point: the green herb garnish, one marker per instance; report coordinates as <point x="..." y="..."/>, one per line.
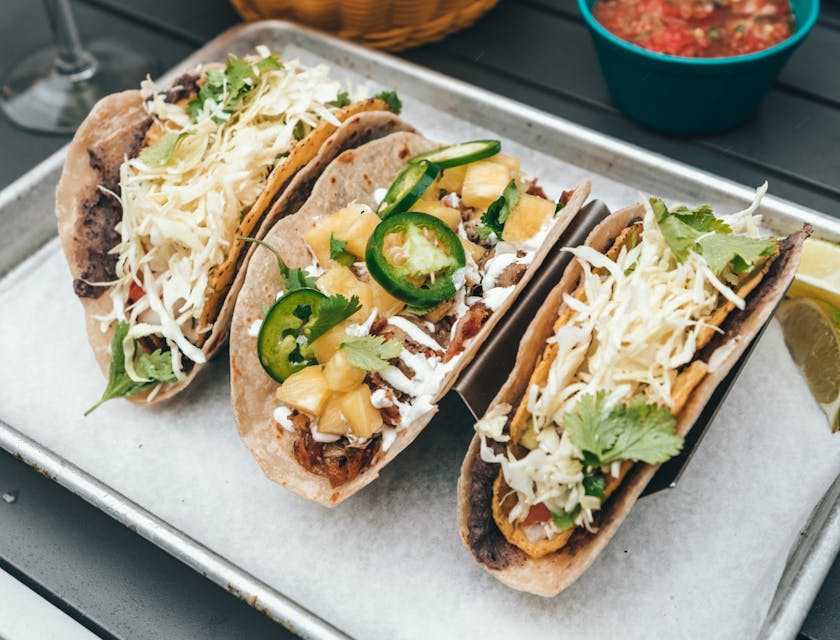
<point x="391" y="99"/>
<point x="338" y="253"/>
<point x="160" y="153"/>
<point x="499" y="210"/>
<point x="370" y="353"/>
<point x="227" y="88"/>
<point x="156" y="367"/>
<point x="341" y="100"/>
<point x="292" y="278"/>
<point x="333" y="310"/>
<point x="634" y="430"/>
<point x="699" y="230"/>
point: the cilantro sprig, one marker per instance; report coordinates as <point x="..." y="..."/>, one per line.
<point x="227" y="88"/>
<point x="292" y="278"/>
<point x="341" y="100"/>
<point x="370" y="353"/>
<point x="338" y="253"/>
<point x="699" y="230"/>
<point x="497" y="213"/>
<point x="391" y="99"/>
<point x="160" y="152"/>
<point x="634" y="430"/>
<point x="333" y="311"/>
<point x="156" y="367"/>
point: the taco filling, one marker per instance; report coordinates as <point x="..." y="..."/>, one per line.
<point x="217" y="150"/>
<point x="363" y="339"/>
<point x="619" y="368"/>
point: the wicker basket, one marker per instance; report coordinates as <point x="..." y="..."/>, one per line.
<point x="384" y="24"/>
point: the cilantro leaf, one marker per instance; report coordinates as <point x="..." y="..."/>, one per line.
<point x="160" y="153"/>
<point x="595" y="486"/>
<point x="227" y="88"/>
<point x="333" y="310"/>
<point x="499" y="210"/>
<point x="633" y="431"/>
<point x="156" y="366"/>
<point x="338" y="253"/>
<point x="300" y="130"/>
<point x="719" y="250"/>
<point x="370" y="353"/>
<point x="269" y="63"/>
<point x="558" y="206"/>
<point x="292" y="278"/>
<point x="341" y="100"/>
<point x="391" y="99"/>
<point x="565" y="520"/>
<point x="484" y="232"/>
<point x="698" y="230"/>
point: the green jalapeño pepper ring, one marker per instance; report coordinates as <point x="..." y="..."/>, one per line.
<point x="283" y="345"/>
<point x="413" y="256"/>
<point x="407" y="187"/>
<point x="458" y="154"/>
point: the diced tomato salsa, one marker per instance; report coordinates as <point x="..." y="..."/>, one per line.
<point x="698" y="28"/>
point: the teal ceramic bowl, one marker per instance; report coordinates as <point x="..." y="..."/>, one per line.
<point x="692" y="96"/>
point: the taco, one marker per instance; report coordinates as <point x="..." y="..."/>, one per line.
<point x="157" y="188"/>
<point x="362" y="308"/>
<point x="613" y="371"/>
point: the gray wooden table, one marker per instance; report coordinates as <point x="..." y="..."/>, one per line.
<point x="535" y="51"/>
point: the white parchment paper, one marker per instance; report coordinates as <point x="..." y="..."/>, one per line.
<point x="698" y="561"/>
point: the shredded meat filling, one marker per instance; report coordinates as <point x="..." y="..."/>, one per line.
<point x="337" y="461"/>
<point x="468" y="327"/>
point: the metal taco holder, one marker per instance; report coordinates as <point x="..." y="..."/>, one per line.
<point x="23" y="202"/>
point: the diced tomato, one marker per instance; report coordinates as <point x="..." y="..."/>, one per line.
<point x="135" y="292"/>
<point x="537" y="513"/>
<point x="673" y="40"/>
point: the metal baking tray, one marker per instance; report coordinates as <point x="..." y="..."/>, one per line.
<point x="809" y="559"/>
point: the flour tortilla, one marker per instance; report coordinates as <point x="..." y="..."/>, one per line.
<point x="549" y="575"/>
<point x="115" y="130"/>
<point x="352" y="177"/>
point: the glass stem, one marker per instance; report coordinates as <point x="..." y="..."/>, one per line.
<point x="71" y="57"/>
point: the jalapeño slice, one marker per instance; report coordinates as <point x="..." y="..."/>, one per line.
<point x="407" y="187"/>
<point x="458" y="154"/>
<point x="282" y="345"/>
<point x="413" y="256"/>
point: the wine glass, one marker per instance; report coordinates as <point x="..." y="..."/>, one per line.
<point x="52" y="90"/>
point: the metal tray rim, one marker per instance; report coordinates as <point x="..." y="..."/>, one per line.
<point x="805" y="570"/>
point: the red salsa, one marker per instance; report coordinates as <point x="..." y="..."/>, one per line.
<point x="698" y="28"/>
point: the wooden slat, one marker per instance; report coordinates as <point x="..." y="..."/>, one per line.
<point x="790" y="137"/>
<point x="807" y="73"/>
<point x="611" y="122"/>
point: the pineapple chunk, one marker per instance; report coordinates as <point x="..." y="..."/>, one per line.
<point x="386" y="304"/>
<point x="452" y="179"/>
<point x="340" y="374"/>
<point x="338" y="225"/>
<point x="331" y="419"/>
<point x="325" y="347"/>
<point x="340" y="280"/>
<point x="451" y="217"/>
<point x="305" y="390"/>
<point x="475" y="250"/>
<point x="358" y="234"/>
<point x="484" y="182"/>
<point x="364" y="418"/>
<point x="509" y="161"/>
<point x="526" y="218"/>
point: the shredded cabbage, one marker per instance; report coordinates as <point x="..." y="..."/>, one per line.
<point x="180" y="217"/>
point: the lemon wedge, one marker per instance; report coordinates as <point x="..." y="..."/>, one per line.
<point x="818" y="275"/>
<point x="812" y="334"/>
